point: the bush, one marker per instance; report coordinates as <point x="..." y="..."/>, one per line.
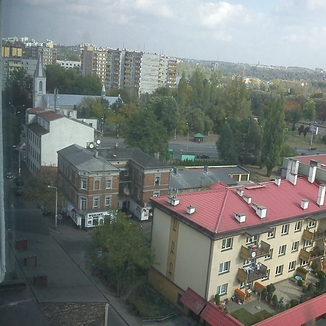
<point x="294" y="302"/>
<point x="264" y="294"/>
<point x="217" y="299"/>
<point x="270" y="288"/>
<point x="287" y="306"/>
<point x="274" y="300"/>
<point x="320" y="274"/>
<point x="300" y="282"/>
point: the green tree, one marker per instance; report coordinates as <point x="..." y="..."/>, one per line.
<point x="120" y="251"/>
<point x="226" y="145"/>
<point x="92" y="108"/>
<point x="309" y="110"/>
<point x="273" y="135"/>
<point x="19" y="89"/>
<point x="145" y="131"/>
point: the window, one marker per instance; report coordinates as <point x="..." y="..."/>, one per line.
<point x="295" y="246"/>
<point x="269" y="256"/>
<point x="227" y="243"/>
<point x="224" y="267"/>
<point x="171" y="268"/>
<point x="282" y="250"/>
<point x="292" y="265"/>
<point x="172" y="246"/>
<point x="252" y="239"/>
<point x="84" y="184"/>
<point x="279" y="270"/>
<point x="271" y="234"/>
<point x="83" y="204"/>
<point x="298" y="226"/>
<point x="97" y="184"/>
<point x="157" y="180"/>
<point x="246" y="262"/>
<point x="156" y="193"/>
<point x="307" y="243"/>
<point x="108" y="201"/>
<point x="108" y="183"/>
<point x="303" y="262"/>
<point x="222" y="289"/>
<point x="96" y="202"/>
<point x="311" y="224"/>
<point x="285" y="229"/>
<point x="266" y="277"/>
<point x="175" y="224"/>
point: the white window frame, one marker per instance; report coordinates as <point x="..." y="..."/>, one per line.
<point x="270" y="255"/>
<point x="311" y="224"/>
<point x="83" y="204"/>
<point x="253" y="239"/>
<point x="292" y="265"/>
<point x="172" y="246"/>
<point x="282" y="250"/>
<point x="285" y="229"/>
<point x="303" y="262"/>
<point x="266" y="277"/>
<point x="222" y="289"/>
<point x="156" y="194"/>
<point x="224" y="267"/>
<point x="271" y="234"/>
<point x="227" y="243"/>
<point x="298" y="226"/>
<point x="246" y="262"/>
<point x="96" y="199"/>
<point x="157" y="180"/>
<point x="108" y="183"/>
<point x="108" y="201"/>
<point x="295" y="246"/>
<point x="279" y="270"/>
<point x="307" y="243"/>
<point x="83" y="182"/>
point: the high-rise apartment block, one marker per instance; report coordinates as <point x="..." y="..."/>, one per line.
<point x="136" y="71"/>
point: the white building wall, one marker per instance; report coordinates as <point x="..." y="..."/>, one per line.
<point x="62" y="133"/>
<point x="149" y="73"/>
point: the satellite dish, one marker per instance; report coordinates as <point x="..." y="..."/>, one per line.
<point x="91" y="145"/>
<point x="98" y="142"/>
<point x="253" y="254"/>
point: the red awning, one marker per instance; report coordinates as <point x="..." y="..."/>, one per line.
<point x="214" y="316"/>
<point x="193" y="301"/>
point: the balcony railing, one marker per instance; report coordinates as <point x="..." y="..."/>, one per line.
<point x="313" y="254"/>
<point x="255" y="251"/>
<point x="313" y="236"/>
<point x="252" y="273"/>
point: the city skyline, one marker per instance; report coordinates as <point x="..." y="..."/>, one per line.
<point x="280" y="33"/>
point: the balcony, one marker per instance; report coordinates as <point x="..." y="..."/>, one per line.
<point x="255" y="251"/>
<point x="313" y="236"/>
<point x="252" y="273"/>
<point x="312" y="254"/>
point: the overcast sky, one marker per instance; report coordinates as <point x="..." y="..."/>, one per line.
<point x="272" y="32"/>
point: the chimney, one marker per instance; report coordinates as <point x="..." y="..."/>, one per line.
<point x="312" y="173"/>
<point x="260" y="210"/>
<point x="247" y="199"/>
<point x="277" y="181"/>
<point x="173" y="200"/>
<point x="293" y="178"/>
<point x="240" y="192"/>
<point x="191" y="209"/>
<point x="96" y="154"/>
<point x="321" y="195"/>
<point x="293" y="167"/>
<point x="304" y="203"/>
<point x="240" y="217"/>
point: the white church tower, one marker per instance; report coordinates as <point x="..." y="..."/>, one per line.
<point x="39" y="84"/>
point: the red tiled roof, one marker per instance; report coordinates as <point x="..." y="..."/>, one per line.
<point x="217" y="317"/>
<point x="215" y="209"/>
<point x="299" y="314"/>
<point x="193" y="301"/>
<point x="306" y="159"/>
<point x="50" y="115"/>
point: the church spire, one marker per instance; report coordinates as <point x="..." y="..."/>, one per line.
<point x="39" y="84"/>
<point x="39" y="71"/>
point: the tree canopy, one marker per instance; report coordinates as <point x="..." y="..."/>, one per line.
<point x="120" y="251"/>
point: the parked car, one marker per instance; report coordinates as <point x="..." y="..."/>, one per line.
<point x="203" y="156"/>
<point x="19" y="191"/>
<point x="9" y="175"/>
<point x="19" y="181"/>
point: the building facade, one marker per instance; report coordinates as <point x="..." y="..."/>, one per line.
<point x="223" y="240"/>
<point x="133" y="178"/>
<point x="47" y="132"/>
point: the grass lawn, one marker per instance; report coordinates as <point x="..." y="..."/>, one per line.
<point x="293" y="139"/>
<point x="248" y="319"/>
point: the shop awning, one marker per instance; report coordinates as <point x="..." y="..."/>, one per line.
<point x="193" y="301"/>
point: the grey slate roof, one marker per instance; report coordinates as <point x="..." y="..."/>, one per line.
<point x="84" y="159"/>
<point x="37" y="129"/>
<point x="134" y="154"/>
<point x="71" y="100"/>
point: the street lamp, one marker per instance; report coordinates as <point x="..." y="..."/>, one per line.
<point x="187" y="135"/>
<point x="56" y="206"/>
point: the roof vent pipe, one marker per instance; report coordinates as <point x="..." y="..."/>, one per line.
<point x="321" y="195"/>
<point x="312" y="173"/>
